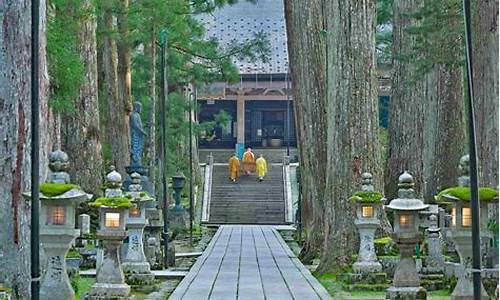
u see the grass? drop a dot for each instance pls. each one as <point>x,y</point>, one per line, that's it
<point>84,284</point>
<point>334,288</point>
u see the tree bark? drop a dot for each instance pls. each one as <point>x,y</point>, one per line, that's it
<point>352,138</point>
<point>485,65</point>
<point>15,133</point>
<point>81,133</point>
<point>124,57</point>
<point>307,55</point>
<point>116,116</point>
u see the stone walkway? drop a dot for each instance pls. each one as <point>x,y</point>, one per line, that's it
<point>248,262</point>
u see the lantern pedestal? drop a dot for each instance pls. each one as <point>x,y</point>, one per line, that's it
<point>367,258</point>
<point>56,243</point>
<point>465,288</point>
<point>406,282</point>
<point>135,265</point>
<point>110,282</point>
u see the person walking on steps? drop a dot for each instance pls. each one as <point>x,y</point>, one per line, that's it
<point>248,161</point>
<point>234,168</point>
<point>261,167</point>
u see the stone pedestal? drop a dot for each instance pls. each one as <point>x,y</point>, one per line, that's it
<point>135,265</point>
<point>464,288</point>
<point>367,258</point>
<point>110,281</point>
<point>406,282</point>
<point>56,244</point>
<point>178,218</point>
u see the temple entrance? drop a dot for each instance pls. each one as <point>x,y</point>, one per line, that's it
<point>267,124</point>
<point>222,115</point>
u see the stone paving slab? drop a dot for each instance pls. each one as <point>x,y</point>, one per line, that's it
<point>248,262</point>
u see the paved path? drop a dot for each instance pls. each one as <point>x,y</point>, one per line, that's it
<point>248,262</point>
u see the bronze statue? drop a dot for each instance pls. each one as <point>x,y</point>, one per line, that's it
<point>137,135</point>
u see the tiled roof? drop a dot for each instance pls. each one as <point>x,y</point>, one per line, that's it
<point>241,21</point>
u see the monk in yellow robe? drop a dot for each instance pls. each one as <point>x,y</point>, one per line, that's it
<point>261,167</point>
<point>234,168</point>
<point>248,161</point>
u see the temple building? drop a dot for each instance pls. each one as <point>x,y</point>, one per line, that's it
<point>260,106</point>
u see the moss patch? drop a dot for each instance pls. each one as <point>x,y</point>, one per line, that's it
<point>366,197</point>
<point>383,241</point>
<point>463,193</point>
<point>112,202</point>
<point>56,189</point>
<point>72,253</point>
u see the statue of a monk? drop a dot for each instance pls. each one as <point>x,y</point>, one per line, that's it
<point>137,135</point>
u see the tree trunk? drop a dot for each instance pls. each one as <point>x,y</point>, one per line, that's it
<point>81,137</point>
<point>426,124</point>
<point>116,117</point>
<point>485,59</point>
<point>444,129</point>
<point>407,108</point>
<point>307,55</point>
<point>15,133</point>
<point>353,146</point>
<point>124,58</point>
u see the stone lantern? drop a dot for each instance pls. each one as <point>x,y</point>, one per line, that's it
<point>406,282</point>
<point>113,209</point>
<point>135,264</point>
<point>178,181</point>
<point>461,222</point>
<point>59,200</point>
<point>368,203</point>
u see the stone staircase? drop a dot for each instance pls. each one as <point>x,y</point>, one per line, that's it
<point>247,201</point>
<point>222,155</point>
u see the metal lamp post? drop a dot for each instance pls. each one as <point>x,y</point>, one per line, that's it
<point>35,148</point>
<point>476,243</point>
<point>191,106</point>
<point>163,140</point>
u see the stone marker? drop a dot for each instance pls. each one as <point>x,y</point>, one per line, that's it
<point>435,258</point>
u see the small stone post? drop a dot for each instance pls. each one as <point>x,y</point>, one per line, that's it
<point>435,258</point>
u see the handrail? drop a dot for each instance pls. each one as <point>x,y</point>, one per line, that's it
<point>207,190</point>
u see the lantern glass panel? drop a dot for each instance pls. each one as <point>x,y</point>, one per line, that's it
<point>466,217</point>
<point>453,217</point>
<point>367,211</point>
<point>405,221</point>
<point>134,212</point>
<point>58,215</point>
<point>112,220</point>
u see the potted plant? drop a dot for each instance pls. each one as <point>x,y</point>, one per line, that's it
<point>73,259</point>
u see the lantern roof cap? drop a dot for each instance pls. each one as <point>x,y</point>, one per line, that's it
<point>113,176</point>
<point>407,204</point>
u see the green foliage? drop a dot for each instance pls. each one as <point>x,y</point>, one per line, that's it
<point>438,36</point>
<point>463,193</point>
<point>73,253</point>
<point>383,35</point>
<point>112,202</point>
<point>383,241</point>
<point>56,189</point>
<point>65,68</point>
<point>366,197</point>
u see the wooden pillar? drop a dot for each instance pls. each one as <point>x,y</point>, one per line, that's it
<point>240,119</point>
